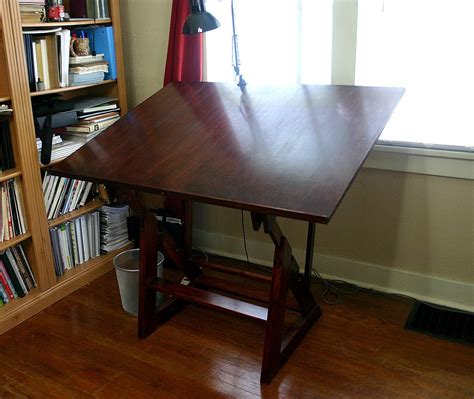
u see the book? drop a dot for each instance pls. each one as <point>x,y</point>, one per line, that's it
<point>63,39</point>
<point>82,69</point>
<point>22,268</point>
<point>52,60</point>
<point>13,222</point>
<point>6,151</point>
<point>76,79</point>
<point>58,266</point>
<point>14,263</point>
<point>30,62</point>
<point>6,286</point>
<point>91,127</point>
<point>18,191</point>
<point>25,260</point>
<point>78,9</point>
<point>5,274</point>
<point>99,118</point>
<point>81,137</point>
<point>86,59</point>
<point>14,274</point>
<point>88,104</point>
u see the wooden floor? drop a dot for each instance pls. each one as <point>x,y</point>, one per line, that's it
<point>86,346</point>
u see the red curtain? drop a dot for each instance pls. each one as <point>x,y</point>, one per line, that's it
<point>184,61</point>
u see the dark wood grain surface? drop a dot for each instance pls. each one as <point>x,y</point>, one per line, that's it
<point>290,151</point>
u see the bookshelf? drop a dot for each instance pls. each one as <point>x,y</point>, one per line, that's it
<point>14,90</point>
<point>89,207</point>
<point>14,241</point>
<point>67,24</point>
<point>69,89</point>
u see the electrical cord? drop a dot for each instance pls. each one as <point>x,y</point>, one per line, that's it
<point>331,288</point>
<point>245,242</point>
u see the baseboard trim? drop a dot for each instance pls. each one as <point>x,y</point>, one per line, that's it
<point>423,287</point>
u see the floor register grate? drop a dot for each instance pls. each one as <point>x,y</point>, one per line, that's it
<point>442,323</point>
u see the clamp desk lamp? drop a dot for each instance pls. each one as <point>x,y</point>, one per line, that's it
<point>200,21</point>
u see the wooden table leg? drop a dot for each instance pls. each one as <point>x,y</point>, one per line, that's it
<point>276,311</point>
<point>148,259</point>
<point>308,264</point>
<point>285,275</point>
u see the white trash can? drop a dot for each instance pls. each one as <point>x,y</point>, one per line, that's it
<point>127,267</point>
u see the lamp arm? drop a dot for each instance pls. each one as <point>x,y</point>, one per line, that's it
<point>235,43</point>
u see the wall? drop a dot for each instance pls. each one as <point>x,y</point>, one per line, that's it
<point>145,25</point>
<point>398,232</point>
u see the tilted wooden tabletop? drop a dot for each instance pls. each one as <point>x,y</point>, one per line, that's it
<point>284,150</point>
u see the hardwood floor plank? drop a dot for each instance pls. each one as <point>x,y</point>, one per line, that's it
<point>85,346</point>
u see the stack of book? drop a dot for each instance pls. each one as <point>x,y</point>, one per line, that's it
<point>75,242</point>
<point>87,69</point>
<point>12,220</point>
<point>61,149</point>
<point>113,227</point>
<point>7,160</point>
<point>16,276</point>
<point>32,11</point>
<point>93,120</point>
<point>63,195</point>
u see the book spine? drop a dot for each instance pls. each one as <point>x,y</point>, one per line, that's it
<point>85,238</point>
<point>72,234</point>
<point>14,263</point>
<point>58,267</point>
<point>22,269</point>
<point>5,235</point>
<point>80,243</point>
<point>3,270</point>
<point>86,193</point>
<point>14,277</point>
<point>17,189</point>
<point>25,260</point>
<point>6,286</point>
<point>3,295</point>
<point>9,211</point>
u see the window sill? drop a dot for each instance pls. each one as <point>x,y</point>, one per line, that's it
<point>428,161</point>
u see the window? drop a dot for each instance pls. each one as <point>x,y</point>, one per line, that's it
<point>422,45</point>
<point>280,41</point>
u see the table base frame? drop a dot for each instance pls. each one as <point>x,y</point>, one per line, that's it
<point>284,277</point>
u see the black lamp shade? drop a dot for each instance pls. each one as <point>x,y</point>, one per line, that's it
<point>199,20</point>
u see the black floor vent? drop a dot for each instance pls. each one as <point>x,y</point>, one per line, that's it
<point>442,323</point>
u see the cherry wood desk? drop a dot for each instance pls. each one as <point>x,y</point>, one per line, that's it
<point>274,151</point>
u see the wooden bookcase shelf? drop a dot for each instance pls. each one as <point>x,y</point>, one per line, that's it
<point>89,207</point>
<point>47,25</point>
<point>14,241</point>
<point>9,174</point>
<point>35,301</point>
<point>14,88</point>
<point>69,88</point>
